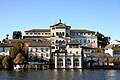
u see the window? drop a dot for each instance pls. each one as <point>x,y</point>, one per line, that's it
<point>77,52</point>
<point>42,33</point>
<point>63,42</point>
<point>35,33</point>
<point>30,33</point>
<point>31,50</point>
<point>76,62</point>
<point>46,54</point>
<point>60,42</point>
<point>53,28</point>
<point>41,49</point>
<point>41,55</point>
<point>52,42</point>
<point>60,63</point>
<point>56,47</point>
<point>62,33</point>
<point>57,41</point>
<point>81,33</point>
<point>53,35</point>
<point>3,49</point>
<point>93,33</point>
<point>26,33</point>
<point>46,49</point>
<point>70,52</point>
<point>38,33</point>
<point>70,46</point>
<point>45,33</point>
<point>57,33</point>
<point>68,62</point>
<point>92,51</point>
<point>84,41</point>
<point>36,49</point>
<point>88,41</point>
<point>88,33</point>
<point>53,47</point>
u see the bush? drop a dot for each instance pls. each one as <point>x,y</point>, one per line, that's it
<point>7,62</point>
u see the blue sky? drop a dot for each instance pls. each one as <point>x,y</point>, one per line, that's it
<point>97,15</point>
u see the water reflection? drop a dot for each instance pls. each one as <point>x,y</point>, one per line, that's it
<point>111,75</point>
<point>60,74</point>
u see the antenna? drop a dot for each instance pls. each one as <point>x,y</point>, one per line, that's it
<point>60,20</point>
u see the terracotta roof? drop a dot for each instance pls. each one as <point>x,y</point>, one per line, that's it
<point>116,48</point>
<point>90,47</point>
<point>109,46</point>
<point>38,30</point>
<point>77,30</point>
<point>40,44</point>
<point>12,42</point>
<point>24,37</point>
<point>7,44</point>
<point>113,46</point>
<point>74,42</point>
<point>60,24</point>
<point>98,55</point>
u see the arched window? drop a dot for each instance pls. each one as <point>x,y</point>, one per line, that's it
<point>57,41</point>
<point>88,41</point>
<point>68,62</point>
<point>76,62</point>
<point>60,42</point>
<point>57,33</point>
<point>63,42</point>
<point>62,33</point>
<point>60,62</point>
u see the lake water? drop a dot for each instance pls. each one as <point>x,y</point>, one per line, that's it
<point>60,74</point>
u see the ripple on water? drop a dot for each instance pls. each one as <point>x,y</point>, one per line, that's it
<point>60,74</point>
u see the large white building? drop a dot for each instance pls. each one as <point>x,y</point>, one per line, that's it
<point>65,53</point>
<point>60,34</point>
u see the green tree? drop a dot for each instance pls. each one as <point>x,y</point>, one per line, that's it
<point>41,60</point>
<point>20,59</point>
<point>102,40</point>
<point>7,62</point>
<point>13,52</point>
<point>17,35</point>
<point>1,58</point>
<point>115,61</point>
<point>18,48</point>
<point>33,59</point>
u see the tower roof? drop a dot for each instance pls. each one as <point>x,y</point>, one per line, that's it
<point>60,24</point>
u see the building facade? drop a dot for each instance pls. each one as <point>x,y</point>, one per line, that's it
<point>113,49</point>
<point>60,34</point>
<point>65,43</point>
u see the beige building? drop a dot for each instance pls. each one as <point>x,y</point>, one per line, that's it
<point>61,36</point>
